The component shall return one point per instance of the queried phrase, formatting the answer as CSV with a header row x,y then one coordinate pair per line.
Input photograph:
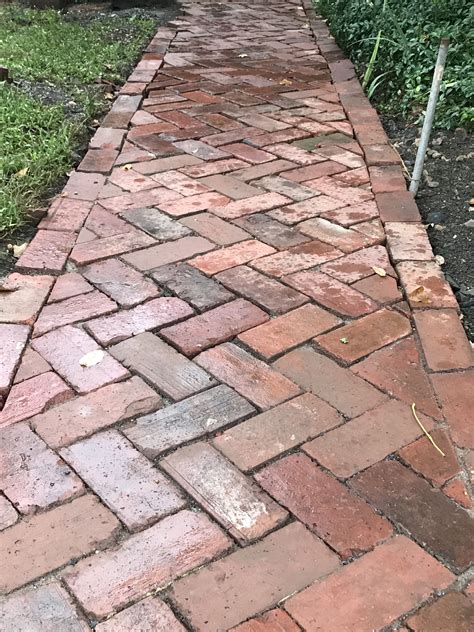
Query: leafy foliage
x,y
408,35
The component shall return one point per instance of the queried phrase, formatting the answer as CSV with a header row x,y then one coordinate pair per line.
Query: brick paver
x,y
209,355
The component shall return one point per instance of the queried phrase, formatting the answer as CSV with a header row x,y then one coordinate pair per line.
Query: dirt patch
x,y
443,200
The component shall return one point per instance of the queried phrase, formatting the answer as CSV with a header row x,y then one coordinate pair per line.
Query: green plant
x,y
394,47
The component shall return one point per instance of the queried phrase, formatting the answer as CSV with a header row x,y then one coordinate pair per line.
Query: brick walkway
x,y
208,363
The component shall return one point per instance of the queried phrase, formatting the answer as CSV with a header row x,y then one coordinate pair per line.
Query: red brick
x,y
131,180
170,252
98,160
31,476
63,349
456,490
181,183
123,479
199,149
443,339
123,109
32,396
387,179
421,456
300,211
263,437
69,285
66,215
272,232
231,256
105,224
194,203
47,251
442,527
366,335
79,527
359,265
331,293
84,415
14,339
293,190
294,154
192,418
384,290
230,186
271,621
150,197
248,153
344,239
366,439
408,242
107,138
348,524
84,186
326,379
123,284
31,365
212,168
354,177
166,164
290,330
327,168
147,560
453,612
399,371
267,168
172,373
28,293
150,315
297,258
427,275
8,515
373,591
146,615
381,155
214,228
291,554
72,310
231,498
250,377
40,608
398,206
457,399
255,204
340,191
351,215
342,156
91,251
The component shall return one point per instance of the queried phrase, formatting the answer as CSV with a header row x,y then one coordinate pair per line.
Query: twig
x,y
413,410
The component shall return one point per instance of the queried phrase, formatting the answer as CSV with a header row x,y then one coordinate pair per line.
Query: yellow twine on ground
x,y
413,410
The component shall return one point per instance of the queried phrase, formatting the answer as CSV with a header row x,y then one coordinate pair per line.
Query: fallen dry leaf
x,y
419,295
22,173
286,82
344,340
17,251
243,55
380,271
127,167
92,358
439,260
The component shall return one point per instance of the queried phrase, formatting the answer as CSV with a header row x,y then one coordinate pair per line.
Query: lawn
x,y
58,63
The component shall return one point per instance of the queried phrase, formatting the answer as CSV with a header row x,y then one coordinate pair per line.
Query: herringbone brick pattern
x,y
210,352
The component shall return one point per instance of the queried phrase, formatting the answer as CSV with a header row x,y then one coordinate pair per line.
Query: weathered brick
x,y
230,497
293,190
250,377
147,560
442,526
387,179
272,621
165,164
31,475
14,338
146,615
456,489
91,251
454,612
353,214
192,418
122,283
84,415
105,224
331,293
66,215
363,336
72,310
268,293
188,205
27,295
107,138
263,437
271,232
231,256
327,168
255,204
47,252
32,396
347,523
399,206
143,199
326,379
443,339
248,153
84,186
172,373
264,169
373,591
425,285
150,315
384,290
295,154
43,608
181,183
300,211
408,242
212,168
296,258
283,333
8,515
215,326
457,398
430,463
345,239
170,252
98,160
200,150
380,431
69,285
191,285
63,349
292,554
398,370
359,265
31,365
214,228
156,223
230,186
79,527
123,479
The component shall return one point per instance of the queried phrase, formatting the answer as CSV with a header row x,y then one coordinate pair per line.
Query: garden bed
x,y
66,68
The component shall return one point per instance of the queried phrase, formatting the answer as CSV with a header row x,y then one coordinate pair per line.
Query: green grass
x,y
68,56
